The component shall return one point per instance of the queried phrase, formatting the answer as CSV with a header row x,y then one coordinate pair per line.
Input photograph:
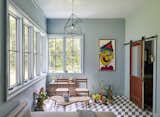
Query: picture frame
x,y
107,54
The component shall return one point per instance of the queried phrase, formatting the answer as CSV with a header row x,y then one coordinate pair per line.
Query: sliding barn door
x,y
136,72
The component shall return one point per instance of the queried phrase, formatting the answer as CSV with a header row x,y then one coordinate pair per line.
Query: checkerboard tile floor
x,y
121,106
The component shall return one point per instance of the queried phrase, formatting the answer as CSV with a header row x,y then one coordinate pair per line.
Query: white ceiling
x,y
89,8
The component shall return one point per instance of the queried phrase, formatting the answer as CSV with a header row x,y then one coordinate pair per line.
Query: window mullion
x,y
72,55
41,48
23,53
55,56
38,53
64,55
19,49
82,53
8,53
43,54
35,53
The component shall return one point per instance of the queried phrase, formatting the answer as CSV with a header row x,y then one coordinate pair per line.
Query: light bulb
x,y
72,27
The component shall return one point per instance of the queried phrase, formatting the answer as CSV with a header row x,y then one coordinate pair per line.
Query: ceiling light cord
x,y
72,13
72,6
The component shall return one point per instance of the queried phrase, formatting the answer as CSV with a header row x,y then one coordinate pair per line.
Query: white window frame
x,y
22,85
24,52
44,53
62,36
18,40
38,70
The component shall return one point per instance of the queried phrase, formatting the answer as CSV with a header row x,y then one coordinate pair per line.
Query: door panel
x,y
136,73
136,61
136,90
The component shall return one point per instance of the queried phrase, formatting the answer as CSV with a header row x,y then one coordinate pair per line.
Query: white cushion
x,y
82,89
62,89
68,114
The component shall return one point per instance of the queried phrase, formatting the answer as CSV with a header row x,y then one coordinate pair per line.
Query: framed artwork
x,y
107,55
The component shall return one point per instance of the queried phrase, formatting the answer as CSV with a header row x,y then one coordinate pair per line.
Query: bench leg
x,y
87,104
64,107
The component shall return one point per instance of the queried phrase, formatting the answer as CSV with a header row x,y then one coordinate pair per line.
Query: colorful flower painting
x,y
107,55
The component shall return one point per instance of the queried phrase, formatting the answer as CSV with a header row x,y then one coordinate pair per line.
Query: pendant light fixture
x,y
72,26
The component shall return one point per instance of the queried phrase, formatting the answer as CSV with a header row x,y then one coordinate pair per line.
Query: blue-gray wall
x,y
99,29
145,22
2,47
30,9
38,17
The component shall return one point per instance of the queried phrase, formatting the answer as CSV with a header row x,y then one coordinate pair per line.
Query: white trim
x,y
22,18
82,54
18,37
30,44
61,35
38,54
26,52
19,23
36,3
50,36
64,55
23,14
154,110
25,86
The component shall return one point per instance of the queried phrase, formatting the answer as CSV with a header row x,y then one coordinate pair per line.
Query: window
x,y
26,53
56,55
73,53
41,53
65,55
24,49
12,52
38,56
44,54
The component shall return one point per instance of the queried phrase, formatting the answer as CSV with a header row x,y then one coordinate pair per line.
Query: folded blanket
x,y
86,113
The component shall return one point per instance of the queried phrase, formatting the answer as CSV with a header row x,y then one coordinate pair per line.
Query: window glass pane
x,y
12,51
58,46
13,32
35,42
59,64
55,55
26,38
76,55
136,61
26,52
35,61
73,55
35,50
12,66
69,58
26,77
51,46
40,57
51,63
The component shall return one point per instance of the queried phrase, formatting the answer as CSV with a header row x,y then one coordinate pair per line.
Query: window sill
x,y
17,90
81,73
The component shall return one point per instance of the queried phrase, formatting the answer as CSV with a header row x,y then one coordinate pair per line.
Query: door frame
x,y
154,109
